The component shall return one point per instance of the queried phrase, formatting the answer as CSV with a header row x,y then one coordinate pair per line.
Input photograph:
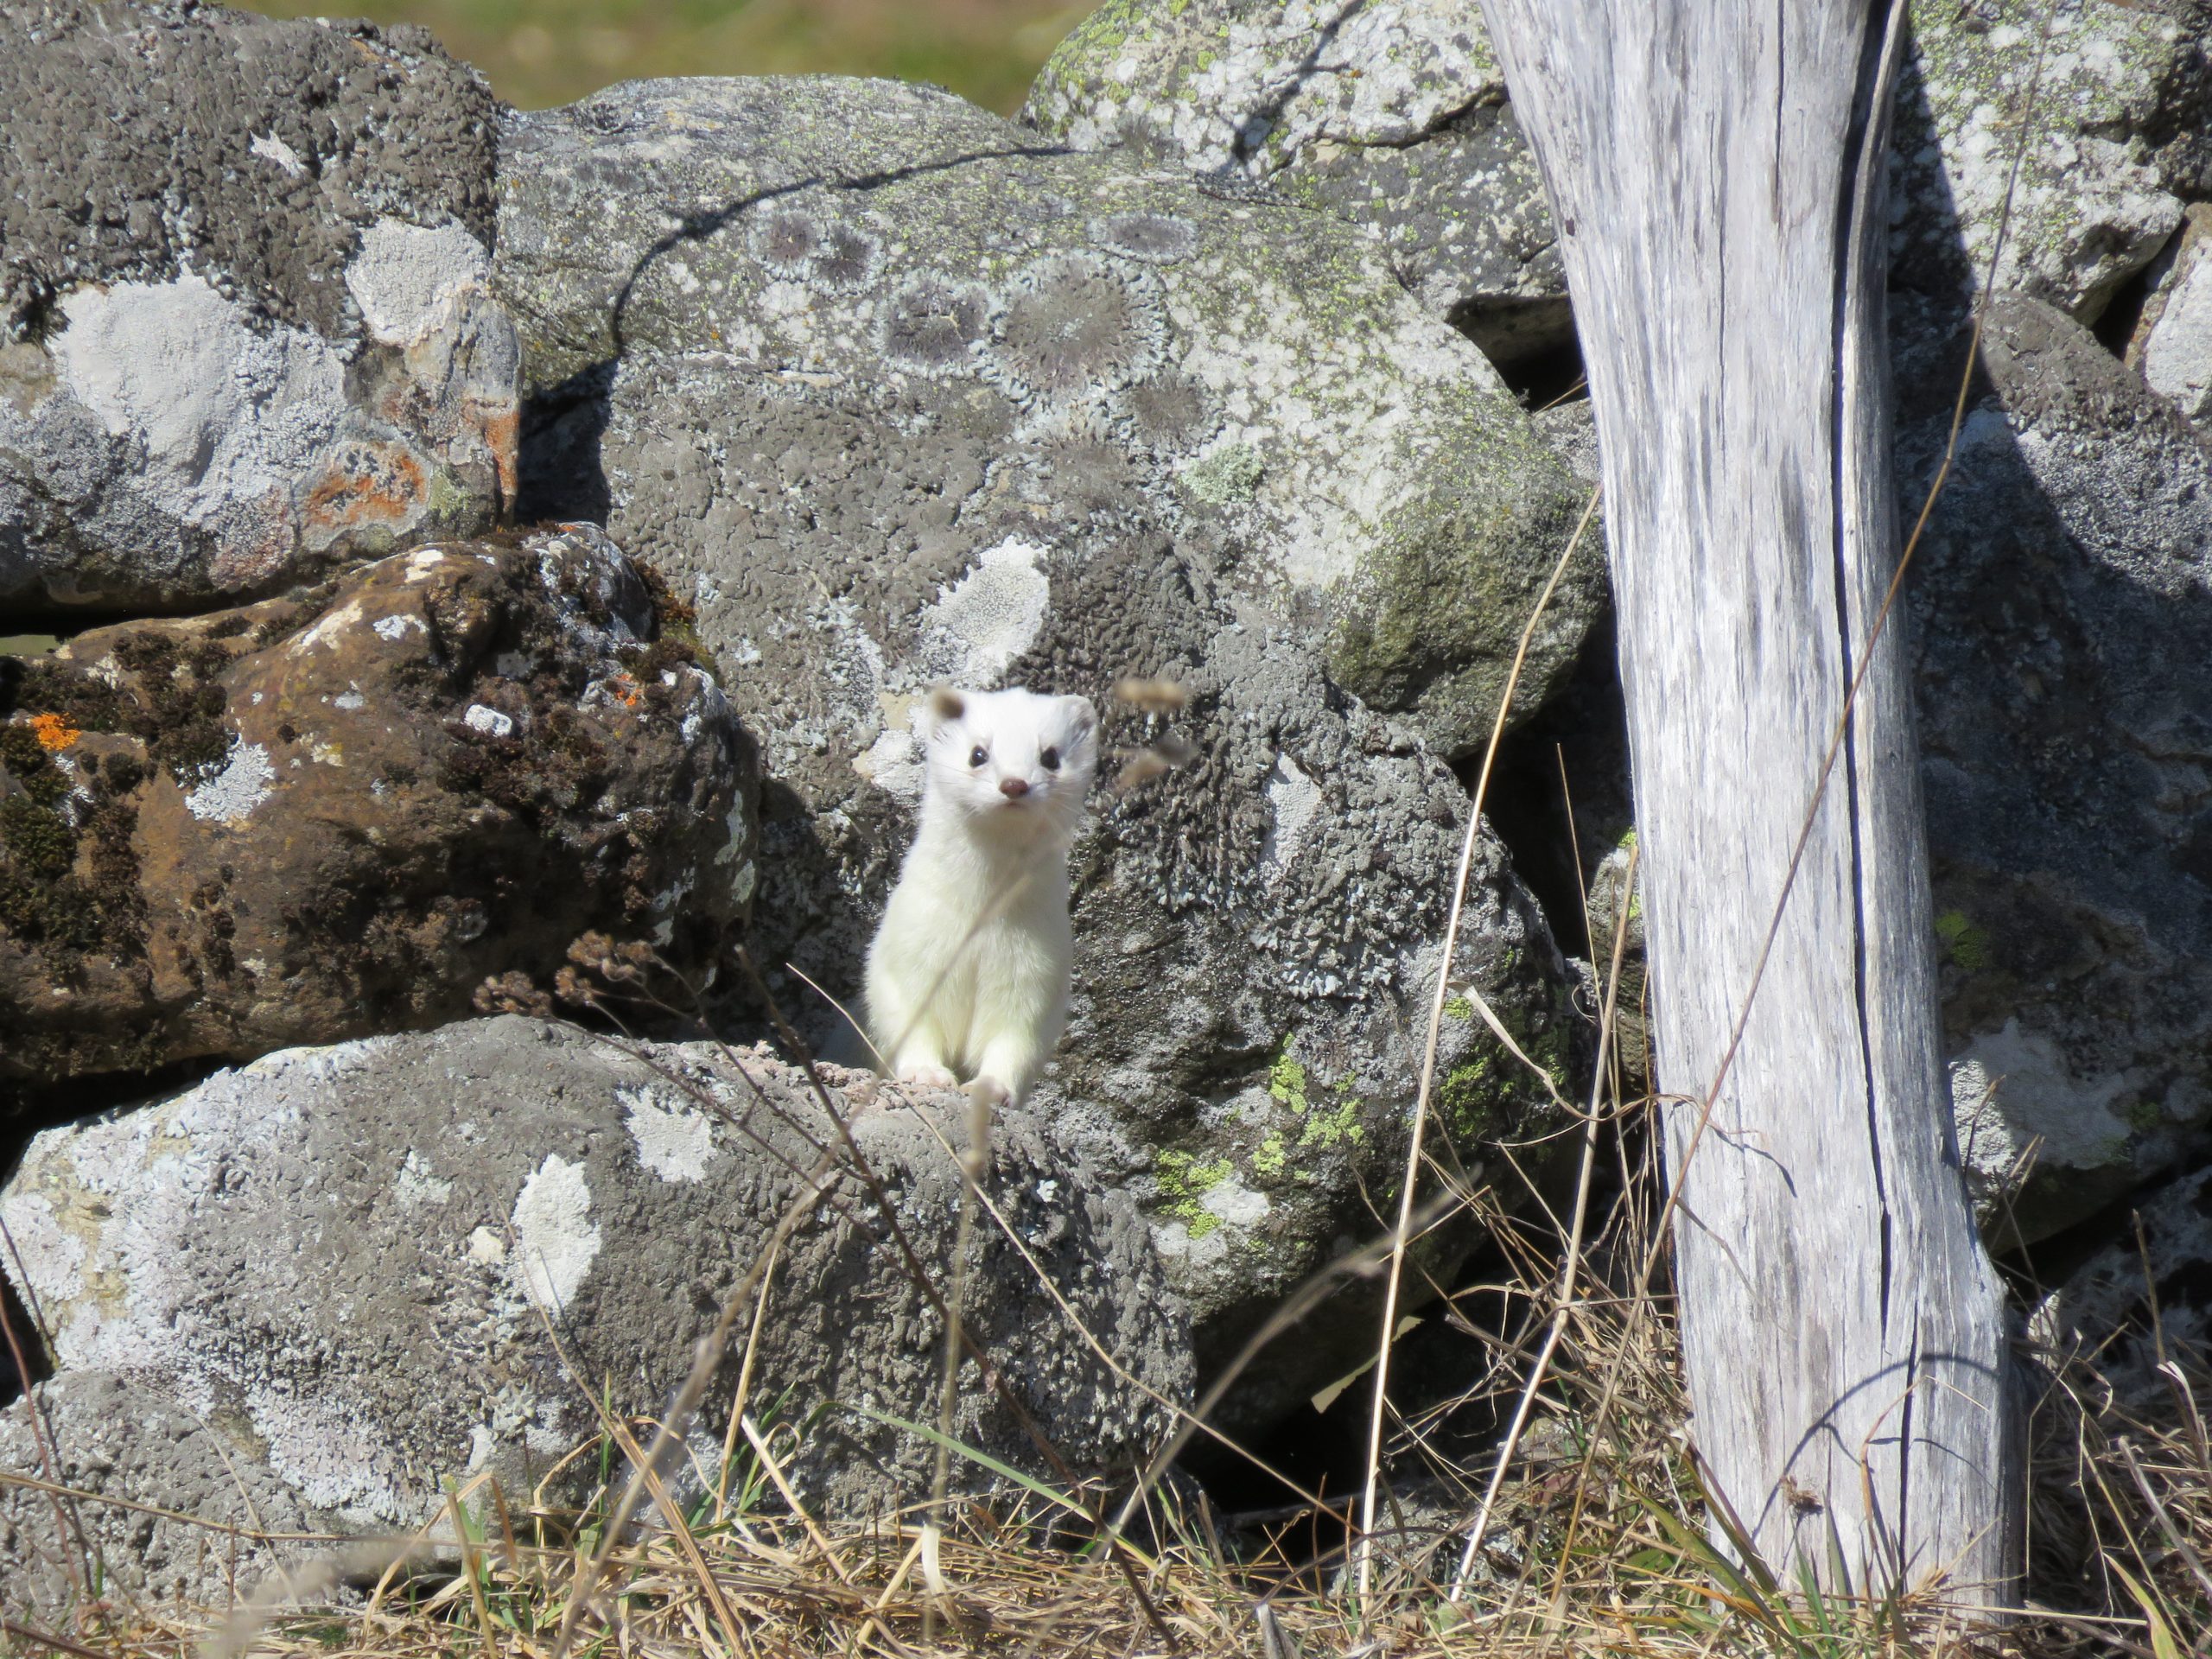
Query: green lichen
x,y
2142,1116
1325,1125
1231,474
1329,1126
1968,79
1460,1008
1103,32
1269,1161
1467,1099
1492,1092
1963,943
1430,617
1184,1182
450,503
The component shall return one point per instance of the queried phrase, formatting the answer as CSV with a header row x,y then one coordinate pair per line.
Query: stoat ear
x,y
1082,716
946,705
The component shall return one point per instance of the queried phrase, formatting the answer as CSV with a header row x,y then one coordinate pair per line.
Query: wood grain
x,y
1717,170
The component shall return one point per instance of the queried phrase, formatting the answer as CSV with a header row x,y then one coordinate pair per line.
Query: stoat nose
x,y
1013,788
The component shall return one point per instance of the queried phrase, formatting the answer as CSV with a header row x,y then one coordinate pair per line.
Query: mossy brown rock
x,y
340,812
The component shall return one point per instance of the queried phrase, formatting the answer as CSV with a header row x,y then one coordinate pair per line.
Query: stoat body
x,y
967,975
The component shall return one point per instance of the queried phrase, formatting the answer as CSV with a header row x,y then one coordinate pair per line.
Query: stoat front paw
x,y
927,1077
989,1091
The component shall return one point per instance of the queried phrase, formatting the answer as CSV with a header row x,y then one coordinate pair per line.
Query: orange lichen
x,y
502,429
55,733
368,484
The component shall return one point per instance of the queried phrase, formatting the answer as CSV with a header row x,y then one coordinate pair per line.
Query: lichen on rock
x,y
251,338
345,1271
1093,304
1392,116
2115,90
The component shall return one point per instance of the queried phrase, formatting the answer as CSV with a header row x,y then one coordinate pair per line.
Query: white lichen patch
x,y
987,618
404,273
2177,356
422,563
556,1239
1294,799
396,628
488,720
674,1139
231,794
417,1183
2012,1090
329,629
52,1254
735,840
222,412
894,762
270,147
1237,1204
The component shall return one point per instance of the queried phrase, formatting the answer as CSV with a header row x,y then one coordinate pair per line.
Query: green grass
x,y
540,53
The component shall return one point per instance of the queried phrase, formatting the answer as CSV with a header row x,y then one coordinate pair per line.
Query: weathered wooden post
x,y
1717,170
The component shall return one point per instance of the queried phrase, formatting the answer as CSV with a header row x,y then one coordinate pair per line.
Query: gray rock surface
x,y
2063,606
1392,114
169,1509
337,813
2065,760
2118,139
876,318
242,279
2172,344
343,1263
2144,1299
1145,430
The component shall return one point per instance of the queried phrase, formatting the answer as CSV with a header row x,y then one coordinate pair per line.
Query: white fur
x,y
967,976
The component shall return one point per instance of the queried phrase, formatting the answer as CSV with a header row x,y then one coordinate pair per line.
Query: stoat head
x,y
1011,763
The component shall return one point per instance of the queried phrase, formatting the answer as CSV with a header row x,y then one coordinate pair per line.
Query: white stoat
x,y
967,976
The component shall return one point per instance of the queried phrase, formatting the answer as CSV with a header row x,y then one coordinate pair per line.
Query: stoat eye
x,y
1050,759
978,755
